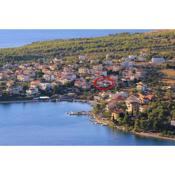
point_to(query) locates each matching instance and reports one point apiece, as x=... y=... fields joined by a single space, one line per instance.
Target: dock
x=79 y=113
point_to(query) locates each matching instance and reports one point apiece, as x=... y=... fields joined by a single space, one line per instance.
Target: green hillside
x=153 y=43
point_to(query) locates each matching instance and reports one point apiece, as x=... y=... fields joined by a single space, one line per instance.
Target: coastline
x=96 y=119
x=109 y=123
x=50 y=100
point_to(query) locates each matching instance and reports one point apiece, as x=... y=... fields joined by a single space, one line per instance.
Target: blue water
x=15 y=38
x=48 y=124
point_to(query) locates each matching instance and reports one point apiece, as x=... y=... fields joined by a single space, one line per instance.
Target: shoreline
x=122 y=128
x=96 y=119
x=50 y=100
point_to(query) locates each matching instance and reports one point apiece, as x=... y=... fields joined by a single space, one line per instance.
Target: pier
x=79 y=113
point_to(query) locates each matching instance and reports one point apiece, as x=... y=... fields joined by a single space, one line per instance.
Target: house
x=82 y=57
x=104 y=94
x=122 y=93
x=118 y=98
x=10 y=83
x=53 y=67
x=32 y=91
x=64 y=81
x=100 y=73
x=83 y=70
x=127 y=64
x=1 y=76
x=96 y=98
x=98 y=67
x=141 y=59
x=143 y=108
x=133 y=104
x=107 y=62
x=144 y=99
x=115 y=114
x=81 y=83
x=111 y=105
x=172 y=122
x=15 y=90
x=49 y=77
x=130 y=58
x=45 y=86
x=24 y=78
x=141 y=87
x=158 y=60
x=94 y=61
x=107 y=56
x=67 y=77
x=34 y=83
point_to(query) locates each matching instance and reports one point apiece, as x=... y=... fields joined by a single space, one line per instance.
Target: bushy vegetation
x=155 y=43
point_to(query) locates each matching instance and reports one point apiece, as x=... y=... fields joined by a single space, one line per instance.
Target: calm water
x=48 y=124
x=15 y=38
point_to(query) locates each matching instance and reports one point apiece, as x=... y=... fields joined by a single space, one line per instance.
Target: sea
x=47 y=123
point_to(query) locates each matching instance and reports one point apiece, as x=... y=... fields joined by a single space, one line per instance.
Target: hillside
x=160 y=42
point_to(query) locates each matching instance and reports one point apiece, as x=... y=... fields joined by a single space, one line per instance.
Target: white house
x=82 y=57
x=158 y=60
x=45 y=86
x=127 y=64
x=107 y=62
x=131 y=58
x=141 y=59
x=32 y=91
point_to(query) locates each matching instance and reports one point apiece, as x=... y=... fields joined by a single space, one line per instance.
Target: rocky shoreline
x=102 y=121
x=109 y=123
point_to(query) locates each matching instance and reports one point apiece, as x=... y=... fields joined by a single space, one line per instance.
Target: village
x=137 y=83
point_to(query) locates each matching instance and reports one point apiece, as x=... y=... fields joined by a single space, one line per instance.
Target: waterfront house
x=45 y=86
x=133 y=104
x=32 y=92
x=15 y=90
x=35 y=83
x=115 y=114
x=111 y=105
x=10 y=83
x=97 y=98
